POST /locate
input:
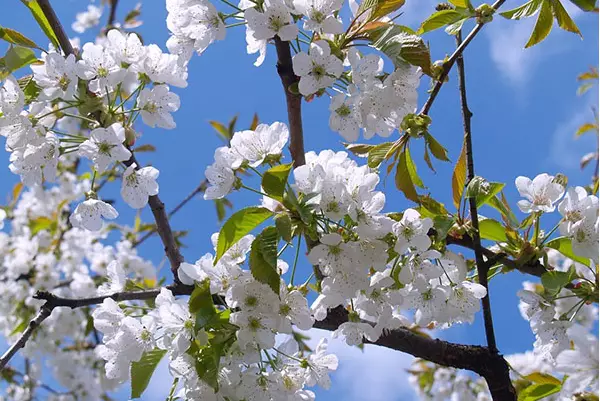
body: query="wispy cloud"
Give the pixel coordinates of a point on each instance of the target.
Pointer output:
(507, 40)
(565, 151)
(373, 374)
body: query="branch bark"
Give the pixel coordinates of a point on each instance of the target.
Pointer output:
(294, 101)
(482, 266)
(63, 39)
(112, 14)
(447, 66)
(478, 359)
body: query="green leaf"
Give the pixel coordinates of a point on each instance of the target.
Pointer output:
(359, 149)
(40, 224)
(201, 304)
(221, 130)
(526, 10)
(459, 177)
(563, 18)
(433, 207)
(238, 225)
(379, 8)
(18, 57)
(403, 178)
(207, 364)
(453, 29)
(461, 3)
(503, 208)
(263, 258)
(436, 148)
(585, 5)
(543, 25)
(42, 21)
(29, 88)
(402, 47)
(538, 391)
(142, 371)
(283, 223)
(145, 148)
(492, 230)
(377, 154)
(275, 179)
(17, 38)
(440, 19)
(563, 245)
(539, 377)
(482, 190)
(585, 128)
(412, 170)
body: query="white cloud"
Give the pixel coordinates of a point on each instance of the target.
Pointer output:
(565, 151)
(508, 38)
(375, 373)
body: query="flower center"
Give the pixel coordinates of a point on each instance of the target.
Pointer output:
(343, 110)
(105, 148)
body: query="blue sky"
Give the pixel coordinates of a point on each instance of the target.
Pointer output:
(525, 113)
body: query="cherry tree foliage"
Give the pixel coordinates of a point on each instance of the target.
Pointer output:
(78, 300)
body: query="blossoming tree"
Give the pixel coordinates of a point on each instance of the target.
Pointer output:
(230, 323)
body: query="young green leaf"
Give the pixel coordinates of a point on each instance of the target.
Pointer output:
(18, 57)
(402, 47)
(283, 223)
(238, 225)
(275, 179)
(492, 230)
(538, 391)
(412, 169)
(563, 18)
(563, 245)
(436, 148)
(17, 38)
(42, 21)
(263, 258)
(440, 19)
(142, 371)
(403, 178)
(543, 25)
(201, 304)
(585, 5)
(377, 154)
(359, 149)
(526, 10)
(459, 177)
(539, 377)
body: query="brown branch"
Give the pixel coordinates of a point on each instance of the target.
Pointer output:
(163, 227)
(482, 267)
(199, 189)
(447, 66)
(63, 39)
(472, 357)
(481, 360)
(112, 15)
(20, 343)
(294, 101)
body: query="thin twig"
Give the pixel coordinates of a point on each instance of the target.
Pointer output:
(199, 189)
(112, 15)
(447, 66)
(482, 267)
(20, 343)
(63, 39)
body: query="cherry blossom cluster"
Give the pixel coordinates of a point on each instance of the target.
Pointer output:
(364, 97)
(579, 210)
(42, 252)
(81, 110)
(252, 368)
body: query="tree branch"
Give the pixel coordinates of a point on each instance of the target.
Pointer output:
(112, 15)
(199, 189)
(294, 101)
(163, 227)
(482, 267)
(471, 357)
(63, 39)
(447, 66)
(20, 343)
(481, 360)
